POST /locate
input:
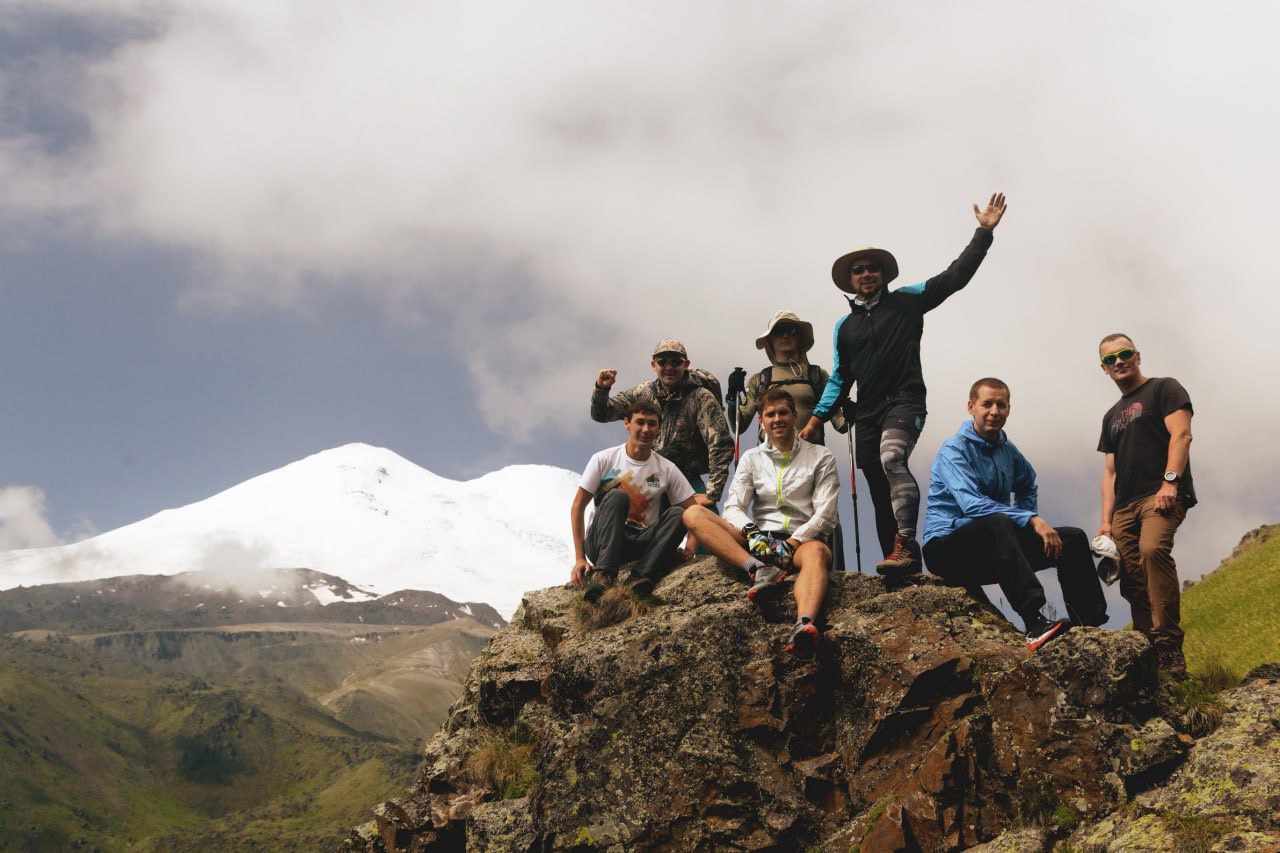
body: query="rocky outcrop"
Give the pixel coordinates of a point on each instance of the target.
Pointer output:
(922, 724)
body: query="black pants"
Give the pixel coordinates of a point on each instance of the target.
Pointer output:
(612, 542)
(993, 549)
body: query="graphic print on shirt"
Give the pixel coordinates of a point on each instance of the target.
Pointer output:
(1123, 419)
(639, 502)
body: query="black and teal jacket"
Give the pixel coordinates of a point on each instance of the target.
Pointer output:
(878, 347)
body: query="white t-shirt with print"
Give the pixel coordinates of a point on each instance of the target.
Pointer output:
(643, 481)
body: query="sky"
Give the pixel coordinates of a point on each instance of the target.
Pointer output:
(236, 233)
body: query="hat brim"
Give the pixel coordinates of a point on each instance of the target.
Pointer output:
(840, 269)
(806, 334)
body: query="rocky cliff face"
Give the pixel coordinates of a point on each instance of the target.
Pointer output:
(922, 724)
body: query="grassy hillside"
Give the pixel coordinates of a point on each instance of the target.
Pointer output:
(102, 754)
(1228, 616)
(388, 680)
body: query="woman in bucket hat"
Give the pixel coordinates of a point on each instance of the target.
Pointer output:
(877, 345)
(787, 341)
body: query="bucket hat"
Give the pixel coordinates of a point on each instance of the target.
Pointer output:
(840, 269)
(806, 332)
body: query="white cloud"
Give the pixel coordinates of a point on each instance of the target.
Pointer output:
(22, 519)
(558, 185)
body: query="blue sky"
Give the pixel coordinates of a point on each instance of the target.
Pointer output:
(236, 233)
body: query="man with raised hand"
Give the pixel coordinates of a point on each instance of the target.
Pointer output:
(1146, 492)
(694, 433)
(627, 482)
(982, 525)
(877, 345)
(780, 510)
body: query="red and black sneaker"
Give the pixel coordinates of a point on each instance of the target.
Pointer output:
(1041, 631)
(804, 638)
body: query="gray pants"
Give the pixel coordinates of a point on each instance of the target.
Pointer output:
(612, 542)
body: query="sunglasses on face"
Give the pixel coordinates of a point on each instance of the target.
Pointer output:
(859, 269)
(1124, 354)
(669, 361)
(786, 331)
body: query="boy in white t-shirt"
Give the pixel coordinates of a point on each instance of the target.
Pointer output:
(627, 483)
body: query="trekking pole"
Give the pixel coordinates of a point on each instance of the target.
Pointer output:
(853, 488)
(733, 398)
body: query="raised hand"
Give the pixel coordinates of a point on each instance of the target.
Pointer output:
(606, 378)
(990, 217)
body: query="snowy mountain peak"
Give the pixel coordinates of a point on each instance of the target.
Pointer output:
(360, 512)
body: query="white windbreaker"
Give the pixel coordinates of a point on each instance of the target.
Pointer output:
(794, 492)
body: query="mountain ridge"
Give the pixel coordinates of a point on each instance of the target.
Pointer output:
(357, 511)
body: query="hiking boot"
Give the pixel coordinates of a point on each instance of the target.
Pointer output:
(642, 586)
(1170, 662)
(766, 583)
(1041, 630)
(903, 560)
(600, 581)
(804, 638)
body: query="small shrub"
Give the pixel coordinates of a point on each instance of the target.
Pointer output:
(618, 604)
(1065, 818)
(503, 766)
(1194, 833)
(1216, 674)
(1198, 709)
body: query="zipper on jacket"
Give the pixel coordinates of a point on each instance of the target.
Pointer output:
(784, 507)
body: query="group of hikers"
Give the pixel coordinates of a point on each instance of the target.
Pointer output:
(780, 517)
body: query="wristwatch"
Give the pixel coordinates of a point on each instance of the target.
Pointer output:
(1172, 477)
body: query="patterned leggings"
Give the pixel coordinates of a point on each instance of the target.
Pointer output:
(895, 494)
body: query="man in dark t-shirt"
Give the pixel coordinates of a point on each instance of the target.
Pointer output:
(1146, 492)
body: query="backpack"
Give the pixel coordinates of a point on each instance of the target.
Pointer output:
(700, 378)
(840, 425)
(815, 379)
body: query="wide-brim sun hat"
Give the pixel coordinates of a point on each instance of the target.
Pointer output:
(840, 269)
(806, 332)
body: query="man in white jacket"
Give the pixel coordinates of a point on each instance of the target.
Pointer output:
(791, 488)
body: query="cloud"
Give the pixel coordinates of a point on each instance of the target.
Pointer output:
(556, 186)
(22, 519)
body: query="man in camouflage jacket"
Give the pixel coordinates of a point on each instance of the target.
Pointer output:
(694, 434)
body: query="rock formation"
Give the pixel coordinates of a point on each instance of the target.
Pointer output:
(922, 724)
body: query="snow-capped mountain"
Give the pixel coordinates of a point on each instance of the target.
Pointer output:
(359, 512)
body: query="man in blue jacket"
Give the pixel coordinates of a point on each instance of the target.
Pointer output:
(877, 345)
(974, 534)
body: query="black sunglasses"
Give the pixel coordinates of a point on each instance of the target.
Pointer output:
(669, 360)
(859, 269)
(789, 331)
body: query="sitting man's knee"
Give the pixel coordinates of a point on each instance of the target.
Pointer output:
(813, 552)
(696, 515)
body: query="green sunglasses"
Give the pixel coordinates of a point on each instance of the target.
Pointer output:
(1111, 357)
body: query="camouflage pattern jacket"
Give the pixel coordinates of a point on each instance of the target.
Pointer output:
(695, 435)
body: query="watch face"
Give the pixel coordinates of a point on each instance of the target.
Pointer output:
(1170, 477)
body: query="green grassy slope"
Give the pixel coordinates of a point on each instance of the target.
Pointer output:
(1228, 616)
(102, 754)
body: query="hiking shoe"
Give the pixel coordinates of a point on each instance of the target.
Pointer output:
(1170, 662)
(903, 560)
(595, 588)
(642, 586)
(767, 579)
(804, 638)
(1041, 630)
